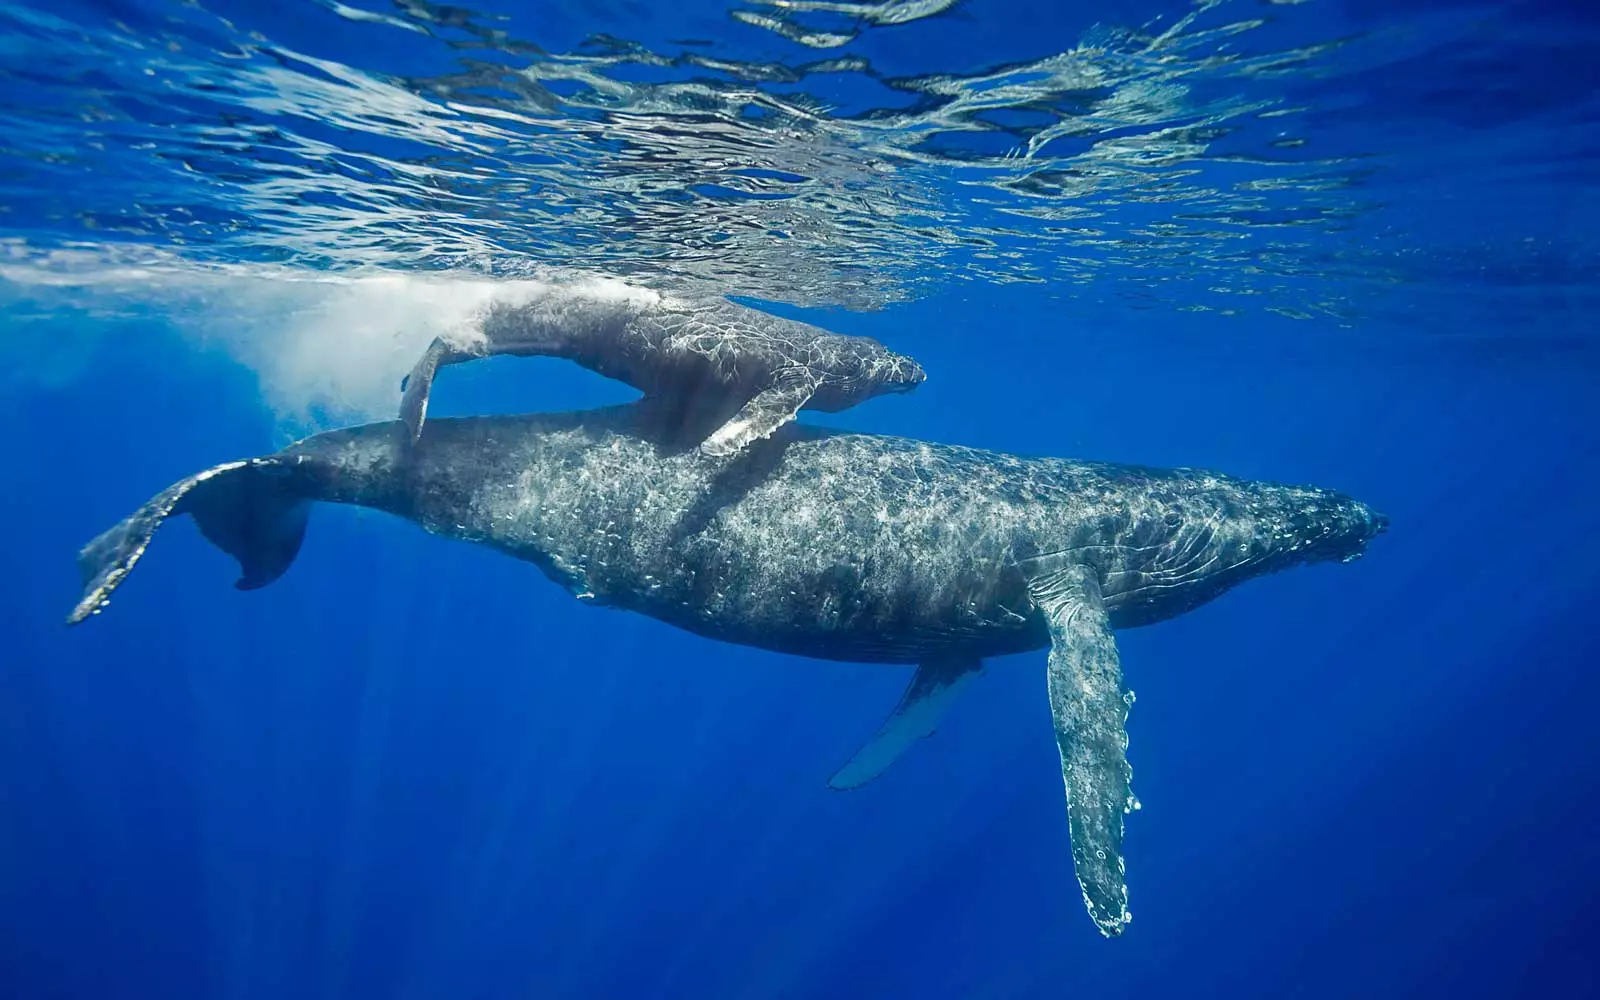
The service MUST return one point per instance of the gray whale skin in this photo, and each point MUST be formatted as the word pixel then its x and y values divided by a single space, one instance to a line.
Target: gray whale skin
pixel 821 544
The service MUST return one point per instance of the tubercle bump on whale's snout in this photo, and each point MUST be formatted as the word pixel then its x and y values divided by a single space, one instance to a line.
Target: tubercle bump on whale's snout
pixel 907 375
pixel 1377 522
pixel 1368 524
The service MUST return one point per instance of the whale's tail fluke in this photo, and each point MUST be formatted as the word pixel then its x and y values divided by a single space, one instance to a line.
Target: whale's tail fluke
pixel 251 510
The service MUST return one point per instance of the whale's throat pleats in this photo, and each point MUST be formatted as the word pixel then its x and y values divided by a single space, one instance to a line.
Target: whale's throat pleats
pixel 1090 708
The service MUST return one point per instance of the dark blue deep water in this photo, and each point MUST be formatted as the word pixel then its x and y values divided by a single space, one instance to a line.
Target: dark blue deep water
pixel 1351 244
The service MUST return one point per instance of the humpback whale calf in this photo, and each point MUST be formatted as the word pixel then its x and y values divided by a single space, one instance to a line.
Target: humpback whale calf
pixel 817 543
pixel 764 368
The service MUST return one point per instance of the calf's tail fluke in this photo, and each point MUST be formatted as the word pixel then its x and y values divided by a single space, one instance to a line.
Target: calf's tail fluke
pixel 253 510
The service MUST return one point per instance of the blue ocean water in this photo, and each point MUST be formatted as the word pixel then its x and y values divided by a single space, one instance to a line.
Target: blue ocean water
pixel 1348 244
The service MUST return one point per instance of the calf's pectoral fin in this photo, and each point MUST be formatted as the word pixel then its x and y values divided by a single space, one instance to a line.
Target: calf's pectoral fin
pixel 1090 708
pixel 764 413
pixel 921 707
pixel 417 385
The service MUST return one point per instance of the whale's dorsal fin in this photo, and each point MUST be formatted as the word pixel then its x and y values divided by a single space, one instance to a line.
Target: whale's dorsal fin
pixel 764 413
pixel 917 715
pixel 1090 708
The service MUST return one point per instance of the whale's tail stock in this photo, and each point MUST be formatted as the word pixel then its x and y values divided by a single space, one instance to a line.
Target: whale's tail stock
pixel 254 510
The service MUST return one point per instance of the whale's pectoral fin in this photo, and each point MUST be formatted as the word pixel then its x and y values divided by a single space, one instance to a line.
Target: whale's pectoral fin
pixel 921 707
pixel 417 385
pixel 1090 707
pixel 248 509
pixel 766 411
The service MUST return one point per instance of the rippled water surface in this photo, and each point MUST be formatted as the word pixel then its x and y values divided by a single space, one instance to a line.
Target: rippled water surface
pixel 1225 155
pixel 1348 243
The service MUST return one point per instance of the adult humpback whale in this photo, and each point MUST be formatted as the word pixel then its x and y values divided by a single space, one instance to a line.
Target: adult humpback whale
pixel 840 546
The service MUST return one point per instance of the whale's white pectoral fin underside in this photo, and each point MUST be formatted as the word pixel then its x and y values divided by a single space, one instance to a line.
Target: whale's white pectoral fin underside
pixel 921 707
pixel 764 413
pixel 1090 707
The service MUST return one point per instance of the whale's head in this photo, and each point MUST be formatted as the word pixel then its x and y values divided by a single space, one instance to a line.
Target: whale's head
pixel 883 372
pixel 1200 543
pixel 901 374
pixel 1324 526
pixel 860 368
